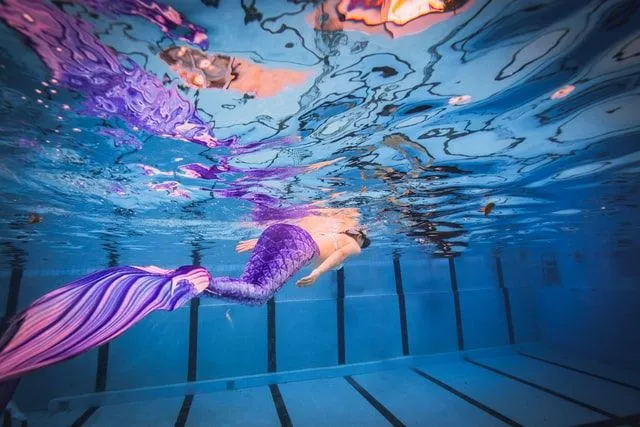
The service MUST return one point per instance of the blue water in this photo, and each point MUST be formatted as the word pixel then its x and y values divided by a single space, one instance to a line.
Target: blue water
pixel 529 107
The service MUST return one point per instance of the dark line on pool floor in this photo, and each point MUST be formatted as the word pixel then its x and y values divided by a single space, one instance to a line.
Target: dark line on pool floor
pixel 194 310
pixel 340 313
pixel 281 408
pixel 542 388
pixel 629 420
pixel 468 399
pixel 507 300
pixel 271 335
pixel 192 364
pixel 401 304
pixel 102 368
pixel 375 403
pixel 456 303
pixel 580 371
pixel 183 415
pixel 84 417
pixel 14 291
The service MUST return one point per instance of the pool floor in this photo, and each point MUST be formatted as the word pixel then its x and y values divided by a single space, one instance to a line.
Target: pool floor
pixel 531 386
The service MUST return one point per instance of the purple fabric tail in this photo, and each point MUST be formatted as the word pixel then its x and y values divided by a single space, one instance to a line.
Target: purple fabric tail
pixel 90 312
pixel 280 252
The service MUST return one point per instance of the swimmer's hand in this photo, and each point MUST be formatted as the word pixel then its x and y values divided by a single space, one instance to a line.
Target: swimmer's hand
pixel 308 280
pixel 246 245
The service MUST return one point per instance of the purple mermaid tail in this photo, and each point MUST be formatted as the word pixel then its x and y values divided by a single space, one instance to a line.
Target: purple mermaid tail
pixel 280 252
pixel 90 312
pixel 97 308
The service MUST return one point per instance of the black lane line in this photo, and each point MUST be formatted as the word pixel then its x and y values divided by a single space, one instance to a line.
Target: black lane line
pixel 193 340
pixel 192 361
pixel 184 411
pixel 281 408
pixel 507 300
pixel 541 388
pixel 401 304
pixel 194 307
pixel 84 417
pixel 102 368
pixel 456 303
pixel 271 335
pixel 375 403
pixel 629 420
pixel 14 293
pixel 580 371
pixel 18 257
pixel 468 399
pixel 340 312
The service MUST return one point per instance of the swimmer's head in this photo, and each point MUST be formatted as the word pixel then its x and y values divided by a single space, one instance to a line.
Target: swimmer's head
pixel 359 234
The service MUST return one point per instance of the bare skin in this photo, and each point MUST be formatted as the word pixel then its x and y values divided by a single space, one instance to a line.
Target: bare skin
pixel 327 231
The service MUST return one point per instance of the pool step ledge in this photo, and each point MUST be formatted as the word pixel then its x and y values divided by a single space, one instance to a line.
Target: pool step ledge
pixel 116 397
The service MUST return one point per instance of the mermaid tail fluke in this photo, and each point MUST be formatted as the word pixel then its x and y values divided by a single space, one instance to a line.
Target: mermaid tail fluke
pixel 90 312
pixel 97 308
pixel 280 252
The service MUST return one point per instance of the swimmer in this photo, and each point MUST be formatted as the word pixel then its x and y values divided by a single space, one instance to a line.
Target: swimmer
pixel 333 249
pixel 95 309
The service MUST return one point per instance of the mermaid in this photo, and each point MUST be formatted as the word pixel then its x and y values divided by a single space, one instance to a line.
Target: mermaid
pixel 95 309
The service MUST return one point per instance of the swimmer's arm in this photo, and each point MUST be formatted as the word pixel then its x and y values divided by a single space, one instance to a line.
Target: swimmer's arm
pixel 246 245
pixel 332 261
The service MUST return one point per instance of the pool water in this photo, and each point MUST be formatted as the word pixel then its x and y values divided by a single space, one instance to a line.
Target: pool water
pixel 489 147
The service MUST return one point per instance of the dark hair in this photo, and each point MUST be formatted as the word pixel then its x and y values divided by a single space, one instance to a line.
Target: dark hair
pixel 354 235
pixel 366 241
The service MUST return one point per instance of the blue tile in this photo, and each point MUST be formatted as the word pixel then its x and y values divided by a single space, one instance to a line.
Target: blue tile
pixel 573 273
pixel 369 280
pixel 431 323
pixel 249 407
pixel 158 412
pixel 153 352
pixel 68 378
pixel 372 328
pixel 597 324
pixel 483 318
pixel 59 419
pixel 328 402
pixel 601 394
pixel 514 269
pixel 417 402
pixel 306 333
pixel 228 348
pixel 476 272
pixel 524 314
pixel 519 402
pixel 430 275
pixel 580 362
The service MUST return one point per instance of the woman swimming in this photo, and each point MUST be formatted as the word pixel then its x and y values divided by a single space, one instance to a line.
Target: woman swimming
pixel 95 309
pixel 333 249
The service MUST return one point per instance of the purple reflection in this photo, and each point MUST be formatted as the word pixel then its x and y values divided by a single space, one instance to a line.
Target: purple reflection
pixel 116 188
pixel 198 170
pixel 114 85
pixel 170 21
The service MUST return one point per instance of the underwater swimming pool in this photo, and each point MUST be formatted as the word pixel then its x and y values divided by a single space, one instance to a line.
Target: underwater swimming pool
pixel 487 148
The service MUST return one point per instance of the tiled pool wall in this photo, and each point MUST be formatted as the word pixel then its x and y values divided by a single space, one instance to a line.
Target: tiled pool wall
pixel 383 305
